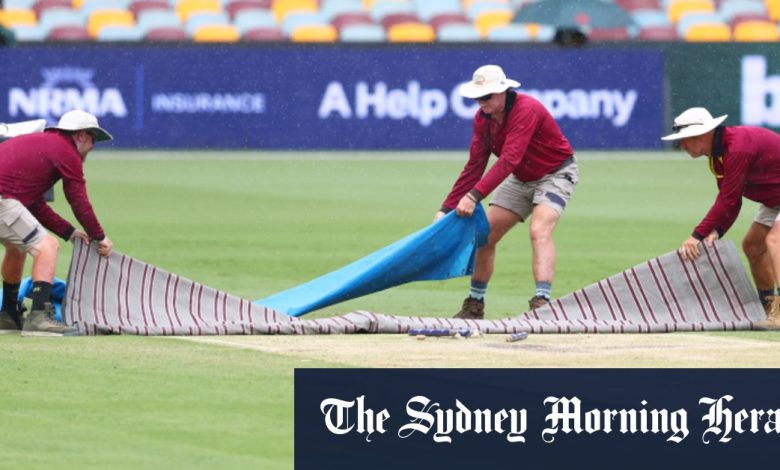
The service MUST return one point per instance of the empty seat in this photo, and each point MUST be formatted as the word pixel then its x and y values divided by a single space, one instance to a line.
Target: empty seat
pixel 56 17
pixel 68 33
pixel 677 8
pixel 478 9
pixel 510 33
pixel 332 8
pixel 13 17
pixel 773 8
pixel 187 8
pixel 254 18
pixel 282 8
pixel 216 33
pixel 295 20
pixel 382 8
pixel 456 32
pixel 166 34
pixel 348 19
pixel 740 17
pixel 362 33
pixel 314 33
pixel 119 34
pixel 437 21
pixel 756 31
pixel 240 6
pixel 140 6
pixel 42 5
pixel 264 4
pixel 29 33
pixel 729 9
pixel 411 32
pixel 153 19
pixel 392 19
pixel 690 19
pixel 263 34
pixel 18 4
pixel 648 18
pixel 426 10
pixel 99 19
pixel 658 33
pixel 715 32
pixel 492 19
pixel 199 20
pixel 88 6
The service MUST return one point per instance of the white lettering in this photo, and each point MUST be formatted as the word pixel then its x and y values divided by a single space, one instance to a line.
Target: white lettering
pixel 335 100
pixel 760 93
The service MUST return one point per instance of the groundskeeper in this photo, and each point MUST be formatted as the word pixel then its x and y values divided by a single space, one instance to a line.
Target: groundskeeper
pixel 535 174
pixel 745 161
pixel 30 165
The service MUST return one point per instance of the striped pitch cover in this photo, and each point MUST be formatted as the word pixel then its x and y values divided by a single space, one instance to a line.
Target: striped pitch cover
pixel 122 295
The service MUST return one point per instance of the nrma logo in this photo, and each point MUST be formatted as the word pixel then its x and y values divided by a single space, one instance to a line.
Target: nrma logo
pixel 64 89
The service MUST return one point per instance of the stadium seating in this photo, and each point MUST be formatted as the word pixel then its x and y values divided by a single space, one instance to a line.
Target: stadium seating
pixel 756 31
pixel 708 32
pixel 262 34
pixel 216 33
pixel 314 33
pixel 362 32
pixel 411 32
pixel 458 32
pixel 42 5
pixel 100 19
pixel 17 17
pixel 373 20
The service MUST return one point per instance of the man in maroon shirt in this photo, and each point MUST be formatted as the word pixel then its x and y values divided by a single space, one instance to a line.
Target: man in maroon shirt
pixel 746 162
pixel 535 174
pixel 30 165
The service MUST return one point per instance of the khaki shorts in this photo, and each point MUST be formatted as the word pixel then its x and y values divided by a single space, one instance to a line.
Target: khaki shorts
pixel 767 215
pixel 553 190
pixel 18 226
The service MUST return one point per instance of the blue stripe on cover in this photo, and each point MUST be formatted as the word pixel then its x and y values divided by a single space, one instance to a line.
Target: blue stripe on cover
pixel 443 250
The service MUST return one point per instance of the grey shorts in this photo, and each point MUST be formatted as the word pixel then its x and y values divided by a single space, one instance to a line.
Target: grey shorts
pixel 767 215
pixel 18 226
pixel 553 190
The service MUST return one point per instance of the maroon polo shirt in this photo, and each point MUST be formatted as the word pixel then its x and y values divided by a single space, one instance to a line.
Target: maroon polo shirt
pixel 747 162
pixel 31 164
pixel 529 144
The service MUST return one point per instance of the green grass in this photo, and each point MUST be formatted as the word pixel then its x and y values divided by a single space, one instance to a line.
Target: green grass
pixel 253 224
pixel 134 402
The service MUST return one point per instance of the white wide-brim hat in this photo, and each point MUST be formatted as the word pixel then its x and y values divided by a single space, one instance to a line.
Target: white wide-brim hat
pixel 78 120
pixel 693 122
pixel 486 80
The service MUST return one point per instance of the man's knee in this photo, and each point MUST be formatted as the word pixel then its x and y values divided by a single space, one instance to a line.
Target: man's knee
pixel 48 247
pixel 773 240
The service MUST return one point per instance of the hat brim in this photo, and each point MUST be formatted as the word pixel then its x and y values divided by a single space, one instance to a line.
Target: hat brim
pixel 696 129
pixel 98 133
pixel 472 90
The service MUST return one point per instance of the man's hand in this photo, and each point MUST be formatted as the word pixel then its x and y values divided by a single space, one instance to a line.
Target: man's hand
pixel 711 238
pixel 438 215
pixel 79 234
pixel 105 247
pixel 466 206
pixel 690 247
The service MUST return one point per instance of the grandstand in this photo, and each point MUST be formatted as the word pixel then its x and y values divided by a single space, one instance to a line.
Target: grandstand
pixel 377 21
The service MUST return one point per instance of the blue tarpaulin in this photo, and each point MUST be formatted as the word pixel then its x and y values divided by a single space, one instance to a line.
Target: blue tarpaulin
pixel 443 250
pixel 57 294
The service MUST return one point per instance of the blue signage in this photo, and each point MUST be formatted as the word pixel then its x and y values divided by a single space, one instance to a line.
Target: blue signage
pixel 361 97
